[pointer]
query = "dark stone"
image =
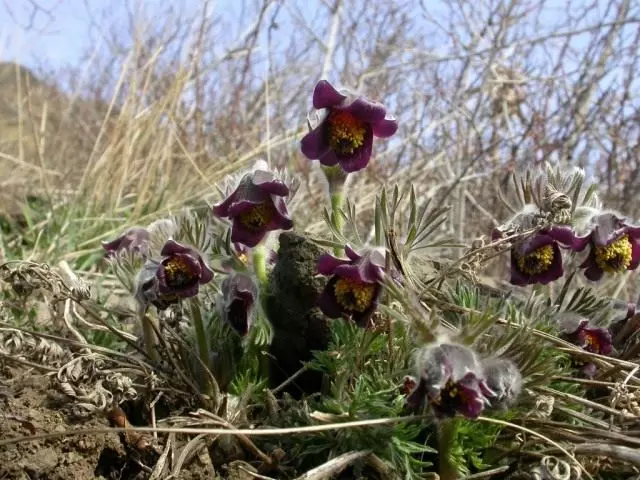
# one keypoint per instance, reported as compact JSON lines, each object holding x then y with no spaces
{"x":299,"y":326}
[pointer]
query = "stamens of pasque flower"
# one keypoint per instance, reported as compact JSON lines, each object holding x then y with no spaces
{"x":536,"y":262}
{"x":353,"y":295}
{"x":346,"y":132}
{"x":177,"y":272}
{"x":615,"y":257}
{"x":258,"y":216}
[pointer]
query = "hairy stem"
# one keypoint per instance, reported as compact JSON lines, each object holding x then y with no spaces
{"x":148,"y":334}
{"x":337,"y":199}
{"x":203,"y":346}
{"x":260,"y":263}
{"x":446,"y":440}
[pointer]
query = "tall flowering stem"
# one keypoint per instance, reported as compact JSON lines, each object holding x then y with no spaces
{"x":149,"y":334}
{"x":203,"y":347}
{"x":446,"y":440}
{"x":337,"y":200}
{"x":260,"y":263}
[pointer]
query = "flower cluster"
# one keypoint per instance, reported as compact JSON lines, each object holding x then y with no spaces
{"x":451,"y":379}
{"x":612,"y":246}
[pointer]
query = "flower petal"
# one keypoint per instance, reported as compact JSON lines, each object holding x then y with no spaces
{"x":328,"y":263}
{"x":635,"y":253}
{"x":222,"y":209}
{"x":314,"y":144}
{"x":361,"y":158}
{"x":329,"y":159}
{"x":240,"y":234}
{"x":172,"y":247}
{"x":564,"y":235}
{"x":367,"y":111}
{"x":325,"y":95}
{"x":281,"y":220}
{"x":593,"y":272}
{"x":351,"y":253}
{"x":268,"y":183}
{"x":327,"y":301}
{"x":386,"y":127}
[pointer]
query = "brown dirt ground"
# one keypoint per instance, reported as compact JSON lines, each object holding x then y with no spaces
{"x":29,"y":406}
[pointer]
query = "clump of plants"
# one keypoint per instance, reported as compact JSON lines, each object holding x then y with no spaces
{"x":384,"y":356}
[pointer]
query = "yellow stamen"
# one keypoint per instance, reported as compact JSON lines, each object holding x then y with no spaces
{"x":537,"y":261}
{"x":354,"y":296}
{"x":346,"y":132}
{"x":178,"y":272}
{"x":615,"y":257}
{"x":258,"y":216}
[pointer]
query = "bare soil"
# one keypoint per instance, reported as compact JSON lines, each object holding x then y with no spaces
{"x":29,"y":405}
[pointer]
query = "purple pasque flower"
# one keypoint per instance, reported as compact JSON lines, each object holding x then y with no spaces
{"x":615,"y":246}
{"x":239,"y":294}
{"x":345,"y":133}
{"x":354,"y":288}
{"x":136,"y":239}
{"x":181,"y":271}
{"x":451,"y":380}
{"x":538,"y":259}
{"x":146,"y":288}
{"x":591,"y":339}
{"x":256,"y":206}
{"x":504,"y":379}
{"x":596,"y":340}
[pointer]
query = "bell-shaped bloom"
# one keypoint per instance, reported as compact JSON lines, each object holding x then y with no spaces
{"x":181,"y":270}
{"x":591,"y":339}
{"x":344,"y":134}
{"x":451,"y":380}
{"x":257,"y":206}
{"x":354,"y":288}
{"x":538,"y":259}
{"x":505,"y":381}
{"x":239,"y":295}
{"x":147,"y":291}
{"x":614,"y":246}
{"x":136,"y":239}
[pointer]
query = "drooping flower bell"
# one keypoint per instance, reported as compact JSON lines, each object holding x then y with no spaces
{"x":177,"y":275}
{"x":591,"y":339}
{"x":450,"y":380}
{"x":614,"y":246}
{"x":504,"y":379}
{"x":239,"y":294}
{"x":538,"y":259}
{"x":354,"y":288}
{"x":136,"y":239}
{"x":256,"y":207}
{"x":347,"y":124}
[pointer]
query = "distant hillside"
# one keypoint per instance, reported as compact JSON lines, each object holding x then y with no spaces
{"x":29,"y":106}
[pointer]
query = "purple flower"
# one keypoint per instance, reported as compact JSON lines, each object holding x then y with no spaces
{"x":136,"y":239}
{"x":239,"y":293}
{"x":345,"y":133}
{"x":354,"y":288}
{"x":451,"y":380}
{"x":146,"y":288}
{"x":257,"y":206}
{"x":538,"y":258}
{"x":181,"y":271}
{"x":591,"y":339}
{"x":614,"y":245}
{"x":504,"y":380}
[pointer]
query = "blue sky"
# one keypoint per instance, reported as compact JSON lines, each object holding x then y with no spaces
{"x":60,"y":36}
